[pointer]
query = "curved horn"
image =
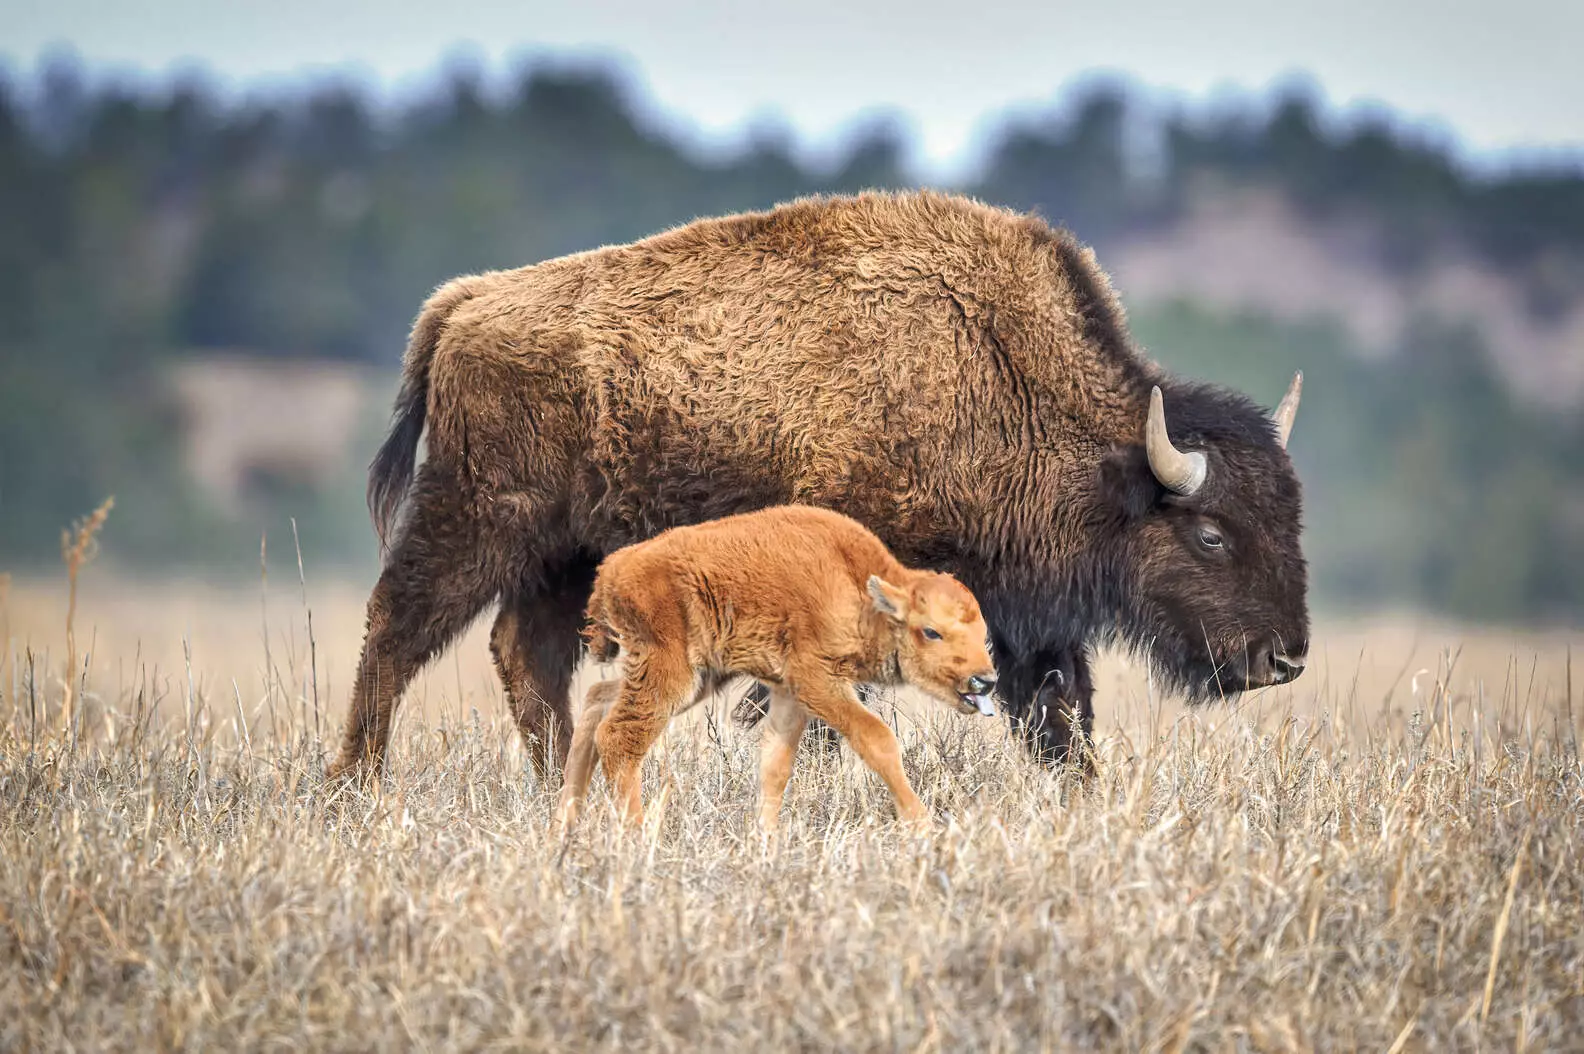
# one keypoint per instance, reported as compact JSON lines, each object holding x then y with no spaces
{"x":1288,"y":410}
{"x":1178,"y":472}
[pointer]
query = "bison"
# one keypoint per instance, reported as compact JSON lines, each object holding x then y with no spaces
{"x":800,"y":598}
{"x":955,"y":376}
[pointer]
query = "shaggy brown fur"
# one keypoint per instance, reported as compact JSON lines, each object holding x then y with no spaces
{"x":803,"y":599}
{"x":956,"y":377}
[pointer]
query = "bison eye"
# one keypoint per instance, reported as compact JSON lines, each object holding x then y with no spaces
{"x":930,"y":633}
{"x":1210,"y":538}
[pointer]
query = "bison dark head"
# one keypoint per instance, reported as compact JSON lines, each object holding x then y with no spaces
{"x":1206,"y":514}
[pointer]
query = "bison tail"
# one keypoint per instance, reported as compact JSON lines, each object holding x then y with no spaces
{"x":391,"y":472}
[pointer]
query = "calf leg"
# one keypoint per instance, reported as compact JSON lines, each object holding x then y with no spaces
{"x":833,"y":702}
{"x":654,"y":686}
{"x":777,"y":751}
{"x":582,"y":753}
{"x":536,"y":649}
{"x":435,"y":582}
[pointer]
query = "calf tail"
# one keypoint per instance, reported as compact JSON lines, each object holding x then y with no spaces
{"x":598,"y":633}
{"x":391,"y":472}
{"x":601,"y":639}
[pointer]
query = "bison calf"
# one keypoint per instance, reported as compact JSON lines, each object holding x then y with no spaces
{"x":804,"y":600}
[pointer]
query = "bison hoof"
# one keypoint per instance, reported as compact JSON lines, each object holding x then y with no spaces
{"x":352,"y":772}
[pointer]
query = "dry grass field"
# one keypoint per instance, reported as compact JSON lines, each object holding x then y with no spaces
{"x":1387,"y":855}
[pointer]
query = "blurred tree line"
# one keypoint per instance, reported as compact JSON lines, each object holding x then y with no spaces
{"x":141,"y":227}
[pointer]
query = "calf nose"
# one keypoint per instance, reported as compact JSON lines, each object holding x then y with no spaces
{"x":980,"y":685}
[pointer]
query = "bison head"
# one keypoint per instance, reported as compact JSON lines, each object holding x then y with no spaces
{"x":1205,"y":515}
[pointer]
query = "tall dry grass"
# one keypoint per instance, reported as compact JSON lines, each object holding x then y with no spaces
{"x":78,"y":547}
{"x":1386,"y":856}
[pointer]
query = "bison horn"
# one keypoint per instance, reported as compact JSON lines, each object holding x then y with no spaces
{"x":1178,"y":472}
{"x":1288,"y":410}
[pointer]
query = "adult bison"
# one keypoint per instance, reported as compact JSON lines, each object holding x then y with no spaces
{"x":957,"y":377}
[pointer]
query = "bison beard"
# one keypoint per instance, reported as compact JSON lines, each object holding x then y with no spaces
{"x":957,"y":378}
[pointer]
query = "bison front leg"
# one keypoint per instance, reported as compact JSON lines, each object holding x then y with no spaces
{"x":1050,"y":700}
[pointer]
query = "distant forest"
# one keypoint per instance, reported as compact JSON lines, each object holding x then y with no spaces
{"x":144,"y":227}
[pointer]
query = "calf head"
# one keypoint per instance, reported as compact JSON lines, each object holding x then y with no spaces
{"x":940,"y":638}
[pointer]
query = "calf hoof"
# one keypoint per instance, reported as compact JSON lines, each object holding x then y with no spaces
{"x":566,"y":814}
{"x":914,"y":817}
{"x":917,"y":826}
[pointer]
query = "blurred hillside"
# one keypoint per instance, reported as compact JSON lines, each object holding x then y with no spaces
{"x":202,"y":304}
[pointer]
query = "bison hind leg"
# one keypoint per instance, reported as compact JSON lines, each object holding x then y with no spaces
{"x":754,"y":705}
{"x":536,"y":646}
{"x":433,"y":584}
{"x":777,"y":751}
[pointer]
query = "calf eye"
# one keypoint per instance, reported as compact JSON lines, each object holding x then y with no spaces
{"x":1210,"y":538}
{"x":931,"y":634}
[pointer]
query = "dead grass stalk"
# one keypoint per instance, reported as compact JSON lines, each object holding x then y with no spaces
{"x":78,"y":547}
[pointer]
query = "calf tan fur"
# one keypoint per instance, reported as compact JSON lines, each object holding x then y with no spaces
{"x":804,"y":600}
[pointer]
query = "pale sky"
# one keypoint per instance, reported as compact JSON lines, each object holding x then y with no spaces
{"x":1497,"y":76}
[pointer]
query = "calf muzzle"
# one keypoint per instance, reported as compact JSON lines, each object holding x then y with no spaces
{"x":978,"y":692}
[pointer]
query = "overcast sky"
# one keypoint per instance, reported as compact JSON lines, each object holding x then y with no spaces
{"x":1497,"y":76}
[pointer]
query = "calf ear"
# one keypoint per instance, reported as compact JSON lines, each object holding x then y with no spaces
{"x":888,"y":599}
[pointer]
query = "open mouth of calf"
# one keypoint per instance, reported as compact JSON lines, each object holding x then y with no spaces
{"x":976,"y":697}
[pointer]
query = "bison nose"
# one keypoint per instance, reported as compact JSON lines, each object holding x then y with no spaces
{"x":1269,"y":665}
{"x":1286,"y":667}
{"x":980,"y":685}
